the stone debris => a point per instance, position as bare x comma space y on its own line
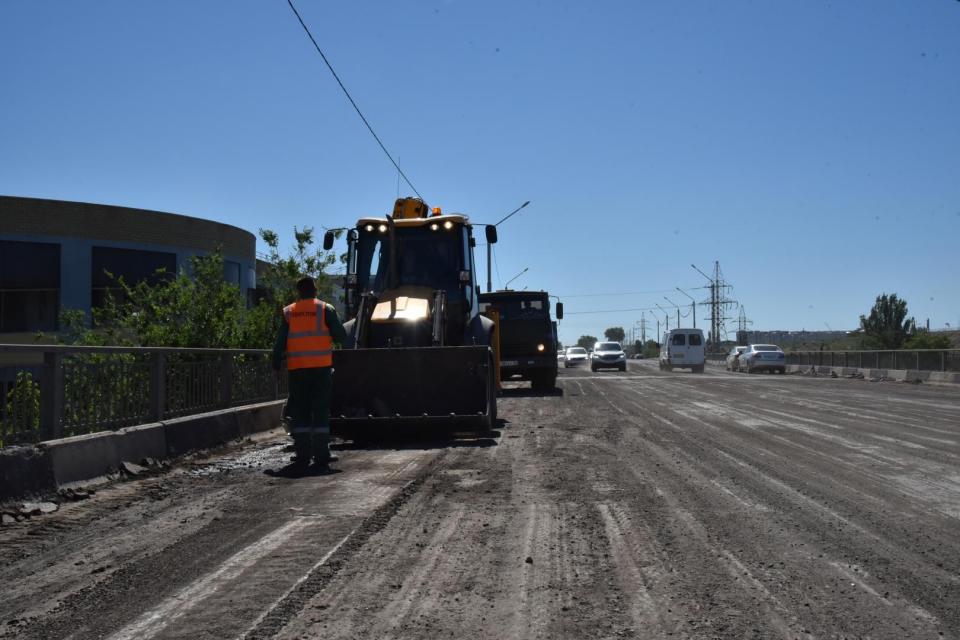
7, 519
37, 508
131, 469
74, 495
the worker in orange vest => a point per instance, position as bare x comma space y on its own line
309, 330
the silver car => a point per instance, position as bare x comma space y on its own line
574, 356
608, 355
762, 357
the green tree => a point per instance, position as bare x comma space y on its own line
615, 334
23, 409
280, 273
586, 342
887, 326
923, 339
651, 349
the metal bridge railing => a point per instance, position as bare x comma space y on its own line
908, 359
49, 392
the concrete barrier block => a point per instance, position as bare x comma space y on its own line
143, 441
25, 471
202, 431
82, 457
916, 376
259, 417
944, 377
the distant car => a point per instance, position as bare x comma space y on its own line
733, 358
762, 357
574, 356
561, 355
608, 355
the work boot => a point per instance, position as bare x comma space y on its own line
321, 451
301, 444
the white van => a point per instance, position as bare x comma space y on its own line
684, 349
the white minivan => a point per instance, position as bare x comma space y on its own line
684, 349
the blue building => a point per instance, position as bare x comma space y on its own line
55, 255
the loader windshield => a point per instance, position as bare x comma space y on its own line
424, 258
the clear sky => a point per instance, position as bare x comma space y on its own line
812, 147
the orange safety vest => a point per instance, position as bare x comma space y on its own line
309, 345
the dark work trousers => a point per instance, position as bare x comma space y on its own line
308, 406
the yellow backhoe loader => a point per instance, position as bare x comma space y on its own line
418, 353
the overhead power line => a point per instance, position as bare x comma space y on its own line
575, 313
350, 98
620, 293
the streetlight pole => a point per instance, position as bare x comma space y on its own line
490, 249
666, 316
714, 322
693, 305
507, 286
678, 309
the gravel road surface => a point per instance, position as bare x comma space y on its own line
644, 504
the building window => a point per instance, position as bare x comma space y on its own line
133, 265
29, 286
231, 272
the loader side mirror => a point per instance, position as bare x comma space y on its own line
328, 241
559, 311
491, 234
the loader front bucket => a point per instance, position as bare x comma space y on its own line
393, 391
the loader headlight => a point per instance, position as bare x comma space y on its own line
540, 347
382, 228
368, 228
448, 225
434, 226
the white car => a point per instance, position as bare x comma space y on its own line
733, 358
574, 356
762, 357
608, 355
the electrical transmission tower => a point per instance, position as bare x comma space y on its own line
719, 303
743, 333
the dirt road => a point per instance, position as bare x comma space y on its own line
643, 504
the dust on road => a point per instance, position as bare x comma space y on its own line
642, 504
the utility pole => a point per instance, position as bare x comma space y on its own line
693, 306
678, 309
666, 317
643, 328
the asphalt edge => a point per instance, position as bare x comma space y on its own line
39, 469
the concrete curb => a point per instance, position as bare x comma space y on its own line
38, 469
897, 375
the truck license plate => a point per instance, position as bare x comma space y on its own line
509, 363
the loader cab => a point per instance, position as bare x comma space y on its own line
408, 260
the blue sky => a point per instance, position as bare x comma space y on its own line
813, 148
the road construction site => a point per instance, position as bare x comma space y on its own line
643, 504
